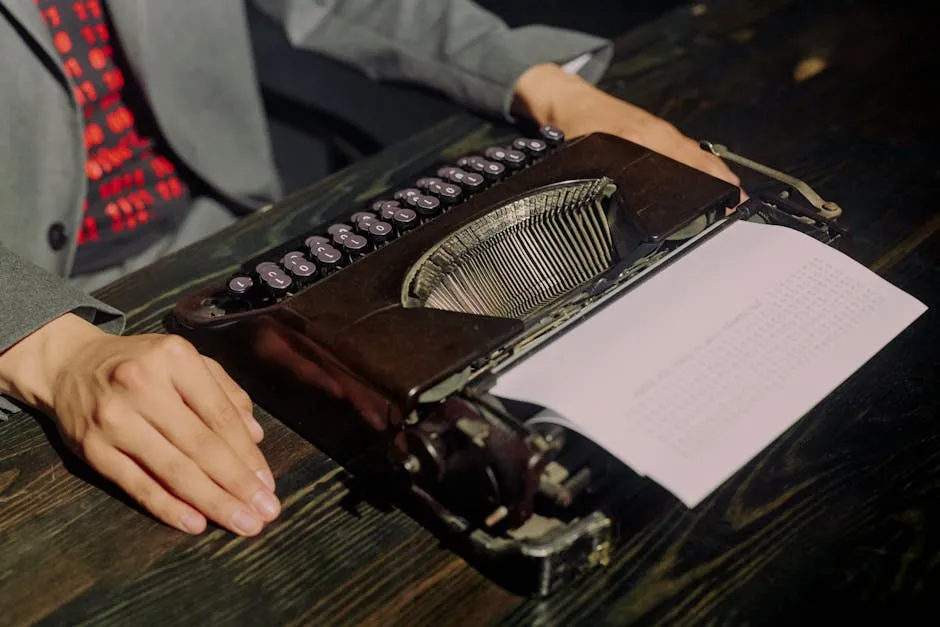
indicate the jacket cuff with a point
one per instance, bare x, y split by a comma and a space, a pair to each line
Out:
32, 297
524, 48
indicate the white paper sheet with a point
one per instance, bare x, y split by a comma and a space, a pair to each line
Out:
695, 371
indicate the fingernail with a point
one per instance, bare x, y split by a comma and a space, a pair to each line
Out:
255, 427
267, 505
267, 479
191, 522
245, 523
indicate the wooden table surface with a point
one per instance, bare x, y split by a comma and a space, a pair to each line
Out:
840, 517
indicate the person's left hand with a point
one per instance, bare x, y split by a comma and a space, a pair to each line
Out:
549, 95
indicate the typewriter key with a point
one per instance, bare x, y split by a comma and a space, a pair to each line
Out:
532, 146
495, 153
291, 258
341, 237
380, 232
338, 228
274, 280
299, 267
448, 193
363, 223
266, 266
379, 205
426, 182
515, 159
426, 206
354, 218
356, 246
464, 162
240, 285
447, 172
329, 259
553, 136
470, 181
405, 219
316, 243
489, 169
405, 194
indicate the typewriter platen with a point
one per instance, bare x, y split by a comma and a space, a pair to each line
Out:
377, 337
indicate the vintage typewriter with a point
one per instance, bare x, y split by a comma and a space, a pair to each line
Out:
378, 336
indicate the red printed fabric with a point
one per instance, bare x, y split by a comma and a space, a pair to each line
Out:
135, 192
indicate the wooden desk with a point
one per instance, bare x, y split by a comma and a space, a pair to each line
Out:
841, 516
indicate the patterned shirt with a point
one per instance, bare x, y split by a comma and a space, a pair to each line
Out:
137, 190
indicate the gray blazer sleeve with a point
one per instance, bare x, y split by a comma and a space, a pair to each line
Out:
31, 297
452, 46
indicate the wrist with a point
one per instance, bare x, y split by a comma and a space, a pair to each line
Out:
30, 368
542, 91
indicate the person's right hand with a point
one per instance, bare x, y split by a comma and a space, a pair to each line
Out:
151, 414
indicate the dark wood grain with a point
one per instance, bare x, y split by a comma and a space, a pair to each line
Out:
839, 518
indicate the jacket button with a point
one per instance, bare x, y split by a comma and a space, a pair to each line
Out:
57, 236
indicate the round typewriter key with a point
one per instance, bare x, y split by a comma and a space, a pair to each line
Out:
380, 232
490, 169
329, 259
389, 212
291, 258
303, 270
356, 246
533, 146
316, 243
362, 224
426, 182
354, 218
240, 285
405, 219
379, 205
495, 153
266, 266
299, 267
470, 181
455, 175
338, 228
405, 194
447, 192
464, 162
552, 135
341, 238
515, 158
275, 281
426, 206
447, 171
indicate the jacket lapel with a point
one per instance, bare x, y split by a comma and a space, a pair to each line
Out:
25, 16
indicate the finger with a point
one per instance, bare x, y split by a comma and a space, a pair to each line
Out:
148, 493
184, 479
194, 383
237, 396
216, 458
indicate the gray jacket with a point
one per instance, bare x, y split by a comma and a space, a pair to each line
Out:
194, 62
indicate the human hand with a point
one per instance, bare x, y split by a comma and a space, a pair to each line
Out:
148, 412
549, 95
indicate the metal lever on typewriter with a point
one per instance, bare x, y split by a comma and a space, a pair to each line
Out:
475, 463
826, 208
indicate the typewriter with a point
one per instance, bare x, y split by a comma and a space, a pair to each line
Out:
379, 336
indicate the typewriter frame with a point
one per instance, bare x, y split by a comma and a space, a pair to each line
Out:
557, 522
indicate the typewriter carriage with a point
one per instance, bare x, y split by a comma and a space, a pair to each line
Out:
528, 502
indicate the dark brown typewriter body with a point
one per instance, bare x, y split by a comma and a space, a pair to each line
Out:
385, 360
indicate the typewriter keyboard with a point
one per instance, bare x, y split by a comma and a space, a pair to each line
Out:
282, 272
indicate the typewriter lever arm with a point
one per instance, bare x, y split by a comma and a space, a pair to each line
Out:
827, 208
